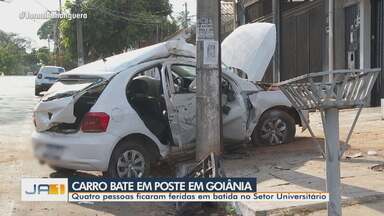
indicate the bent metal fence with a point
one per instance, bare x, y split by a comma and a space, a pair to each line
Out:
329, 92
349, 88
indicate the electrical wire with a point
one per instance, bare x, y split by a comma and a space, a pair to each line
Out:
41, 5
123, 17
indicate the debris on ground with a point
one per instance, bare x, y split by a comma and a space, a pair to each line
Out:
357, 155
235, 156
378, 167
372, 153
345, 177
282, 184
280, 168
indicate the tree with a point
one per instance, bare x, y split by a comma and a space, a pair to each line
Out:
44, 56
31, 61
13, 54
114, 26
46, 31
183, 19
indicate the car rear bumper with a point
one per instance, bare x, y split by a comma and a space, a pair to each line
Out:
44, 86
89, 152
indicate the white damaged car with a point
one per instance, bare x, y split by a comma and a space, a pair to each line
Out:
121, 114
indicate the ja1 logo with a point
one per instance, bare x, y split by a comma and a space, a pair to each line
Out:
44, 189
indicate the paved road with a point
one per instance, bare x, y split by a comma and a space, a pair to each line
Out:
16, 104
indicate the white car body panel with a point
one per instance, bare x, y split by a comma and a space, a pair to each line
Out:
265, 100
250, 48
55, 111
82, 151
115, 64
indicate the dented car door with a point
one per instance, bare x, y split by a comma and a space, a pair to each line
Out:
181, 110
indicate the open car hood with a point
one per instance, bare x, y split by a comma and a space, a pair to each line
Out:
250, 49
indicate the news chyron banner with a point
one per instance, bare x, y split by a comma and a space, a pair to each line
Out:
156, 190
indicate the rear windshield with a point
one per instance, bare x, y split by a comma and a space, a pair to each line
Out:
51, 70
65, 88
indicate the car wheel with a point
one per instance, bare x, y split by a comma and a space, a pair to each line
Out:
129, 160
274, 127
37, 91
62, 170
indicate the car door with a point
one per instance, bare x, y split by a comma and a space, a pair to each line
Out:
181, 106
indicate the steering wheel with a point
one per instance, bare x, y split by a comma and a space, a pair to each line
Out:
178, 81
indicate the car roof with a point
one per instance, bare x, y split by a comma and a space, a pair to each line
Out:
109, 66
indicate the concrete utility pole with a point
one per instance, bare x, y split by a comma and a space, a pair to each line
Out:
56, 36
58, 29
208, 100
55, 39
185, 15
276, 57
330, 38
79, 33
157, 33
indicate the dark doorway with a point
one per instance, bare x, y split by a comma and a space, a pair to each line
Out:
352, 37
378, 49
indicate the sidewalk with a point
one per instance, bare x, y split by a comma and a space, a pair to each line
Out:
374, 208
299, 167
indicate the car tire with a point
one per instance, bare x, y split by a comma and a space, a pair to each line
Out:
129, 160
37, 91
274, 127
62, 170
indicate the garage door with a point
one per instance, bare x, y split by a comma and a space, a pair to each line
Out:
378, 49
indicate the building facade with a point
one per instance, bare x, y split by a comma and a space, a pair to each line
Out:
303, 36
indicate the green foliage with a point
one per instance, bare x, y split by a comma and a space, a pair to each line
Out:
31, 61
47, 30
14, 58
13, 54
114, 26
44, 56
8, 61
183, 19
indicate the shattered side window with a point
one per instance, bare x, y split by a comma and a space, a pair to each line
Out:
183, 78
146, 83
152, 72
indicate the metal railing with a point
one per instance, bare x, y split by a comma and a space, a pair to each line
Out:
350, 88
